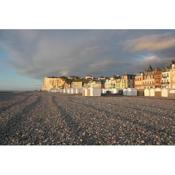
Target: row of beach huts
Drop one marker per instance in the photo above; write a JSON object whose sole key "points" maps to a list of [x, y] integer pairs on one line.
{"points": [[157, 92]]}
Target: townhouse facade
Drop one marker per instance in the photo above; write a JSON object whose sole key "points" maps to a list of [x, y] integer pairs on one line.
{"points": [[172, 75], [77, 84], [110, 83], [165, 81], [138, 81], [152, 78], [127, 81], [94, 84], [120, 82]]}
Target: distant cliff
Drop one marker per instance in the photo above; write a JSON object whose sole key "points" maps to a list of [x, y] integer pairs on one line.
{"points": [[50, 83]]}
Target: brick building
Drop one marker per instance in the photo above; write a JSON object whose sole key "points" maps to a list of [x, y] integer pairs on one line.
{"points": [[152, 78]]}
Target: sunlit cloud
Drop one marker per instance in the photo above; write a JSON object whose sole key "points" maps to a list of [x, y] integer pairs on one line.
{"points": [[151, 43]]}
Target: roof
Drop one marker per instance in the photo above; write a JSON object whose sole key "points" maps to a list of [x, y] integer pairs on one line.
{"points": [[150, 69]]}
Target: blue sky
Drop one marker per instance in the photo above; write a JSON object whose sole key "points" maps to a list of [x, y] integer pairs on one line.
{"points": [[26, 56], [11, 80]]}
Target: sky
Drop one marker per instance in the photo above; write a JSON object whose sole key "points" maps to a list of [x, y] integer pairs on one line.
{"points": [[27, 56]]}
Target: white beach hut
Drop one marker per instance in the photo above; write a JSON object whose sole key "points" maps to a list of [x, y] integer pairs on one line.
{"points": [[91, 92], [95, 92], [125, 92], [131, 92], [114, 91], [147, 92], [152, 92], [164, 92]]}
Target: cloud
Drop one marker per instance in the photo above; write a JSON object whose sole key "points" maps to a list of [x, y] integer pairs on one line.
{"points": [[39, 53], [152, 43], [153, 60]]}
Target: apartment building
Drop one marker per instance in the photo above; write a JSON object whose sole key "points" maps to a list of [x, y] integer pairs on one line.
{"points": [[152, 78], [88, 77], [138, 81], [110, 83], [165, 81], [77, 84], [120, 82], [93, 84], [172, 75], [127, 81]]}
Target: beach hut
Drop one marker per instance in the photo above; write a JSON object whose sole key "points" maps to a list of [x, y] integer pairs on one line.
{"points": [[91, 92], [95, 92], [114, 91], [152, 92], [131, 92], [103, 91], [171, 93], [76, 91], [125, 92], [140, 92], [164, 92], [68, 91], [85, 92], [157, 92], [146, 92], [72, 90]]}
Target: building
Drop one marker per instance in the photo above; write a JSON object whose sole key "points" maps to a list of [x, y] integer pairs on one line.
{"points": [[73, 77], [165, 81], [102, 78], [152, 78], [91, 92], [138, 81], [77, 84], [127, 81], [88, 77], [172, 75], [120, 82], [110, 83], [51, 83], [94, 84]]}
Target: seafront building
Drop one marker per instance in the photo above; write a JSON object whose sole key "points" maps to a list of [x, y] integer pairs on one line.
{"points": [[172, 75], [93, 84], [138, 81], [165, 81], [77, 84], [152, 78], [127, 81], [110, 83], [120, 82], [88, 77]]}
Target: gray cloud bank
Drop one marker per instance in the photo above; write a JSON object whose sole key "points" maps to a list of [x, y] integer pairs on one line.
{"points": [[38, 53]]}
